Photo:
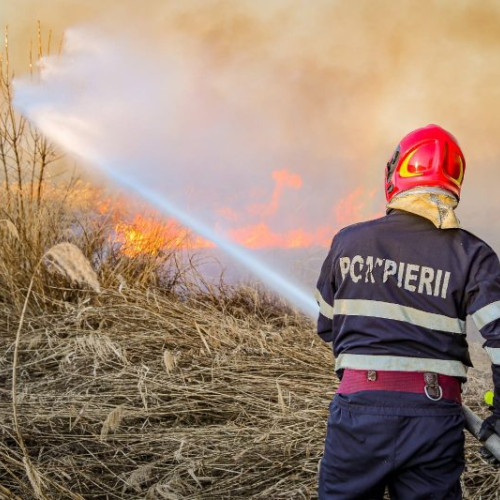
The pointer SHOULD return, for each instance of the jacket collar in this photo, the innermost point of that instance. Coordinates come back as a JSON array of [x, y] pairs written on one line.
[[436, 205]]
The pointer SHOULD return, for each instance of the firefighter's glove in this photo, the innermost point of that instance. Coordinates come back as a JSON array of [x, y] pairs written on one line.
[[490, 426], [488, 457]]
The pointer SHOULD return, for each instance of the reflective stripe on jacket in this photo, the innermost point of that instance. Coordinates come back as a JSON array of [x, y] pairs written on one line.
[[394, 294]]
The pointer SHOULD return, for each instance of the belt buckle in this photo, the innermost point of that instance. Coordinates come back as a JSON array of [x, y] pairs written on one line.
[[432, 388]]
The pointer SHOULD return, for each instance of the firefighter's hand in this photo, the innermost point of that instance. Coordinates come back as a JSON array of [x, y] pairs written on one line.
[[488, 457], [490, 426]]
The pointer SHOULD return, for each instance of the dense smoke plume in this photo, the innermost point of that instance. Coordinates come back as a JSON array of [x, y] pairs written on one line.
[[207, 100]]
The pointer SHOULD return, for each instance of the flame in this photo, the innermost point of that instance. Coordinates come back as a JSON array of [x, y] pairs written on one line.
[[139, 231], [283, 178], [149, 236], [356, 206], [260, 236]]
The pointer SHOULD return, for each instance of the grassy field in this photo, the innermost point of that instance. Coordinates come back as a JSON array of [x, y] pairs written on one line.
[[143, 381], [141, 394]]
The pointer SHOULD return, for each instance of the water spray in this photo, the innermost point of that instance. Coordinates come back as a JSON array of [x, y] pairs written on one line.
[[53, 127], [293, 293], [59, 108]]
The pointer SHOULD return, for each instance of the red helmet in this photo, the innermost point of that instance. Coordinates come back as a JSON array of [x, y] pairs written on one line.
[[428, 156]]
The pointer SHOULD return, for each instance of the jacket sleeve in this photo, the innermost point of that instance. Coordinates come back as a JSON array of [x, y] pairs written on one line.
[[483, 304], [324, 294]]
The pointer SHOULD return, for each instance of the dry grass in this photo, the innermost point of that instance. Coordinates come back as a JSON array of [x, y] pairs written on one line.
[[67, 260], [481, 480], [136, 395], [8, 229], [169, 399]]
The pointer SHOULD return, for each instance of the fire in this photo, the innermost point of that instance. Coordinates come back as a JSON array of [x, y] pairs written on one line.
[[139, 231], [282, 179], [262, 236], [350, 208], [148, 236]]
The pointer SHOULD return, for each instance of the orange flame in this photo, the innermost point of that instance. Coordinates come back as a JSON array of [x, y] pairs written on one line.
[[251, 226], [148, 236], [262, 236], [283, 179]]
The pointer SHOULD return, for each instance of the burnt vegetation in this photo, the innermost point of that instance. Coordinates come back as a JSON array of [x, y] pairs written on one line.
[[151, 383]]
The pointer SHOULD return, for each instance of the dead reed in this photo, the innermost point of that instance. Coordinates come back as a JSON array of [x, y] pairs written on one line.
[[148, 395], [226, 419], [67, 260]]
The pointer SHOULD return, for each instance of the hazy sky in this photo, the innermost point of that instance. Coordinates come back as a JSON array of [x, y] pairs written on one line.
[[324, 88]]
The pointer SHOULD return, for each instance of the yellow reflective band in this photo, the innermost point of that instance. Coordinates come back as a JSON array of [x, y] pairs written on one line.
[[324, 308], [458, 181], [401, 363], [387, 310], [403, 171], [494, 354], [486, 314]]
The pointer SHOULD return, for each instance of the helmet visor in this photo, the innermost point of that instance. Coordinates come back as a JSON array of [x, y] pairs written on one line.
[[455, 169], [419, 161]]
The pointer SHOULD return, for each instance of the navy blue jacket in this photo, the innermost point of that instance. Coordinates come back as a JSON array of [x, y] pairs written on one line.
[[394, 294]]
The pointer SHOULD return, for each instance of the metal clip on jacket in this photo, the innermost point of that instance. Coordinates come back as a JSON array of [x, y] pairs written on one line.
[[432, 388]]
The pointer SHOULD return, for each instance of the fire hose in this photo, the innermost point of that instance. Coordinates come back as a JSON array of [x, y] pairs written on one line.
[[473, 424]]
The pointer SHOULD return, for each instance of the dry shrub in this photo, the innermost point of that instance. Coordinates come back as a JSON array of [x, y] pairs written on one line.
[[68, 260]]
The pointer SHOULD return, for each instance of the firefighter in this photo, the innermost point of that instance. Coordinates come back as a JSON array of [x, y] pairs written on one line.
[[394, 294]]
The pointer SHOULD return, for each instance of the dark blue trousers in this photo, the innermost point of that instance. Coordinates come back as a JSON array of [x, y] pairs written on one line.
[[404, 442]]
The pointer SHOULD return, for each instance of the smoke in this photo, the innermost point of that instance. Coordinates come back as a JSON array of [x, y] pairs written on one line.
[[210, 117], [207, 100]]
